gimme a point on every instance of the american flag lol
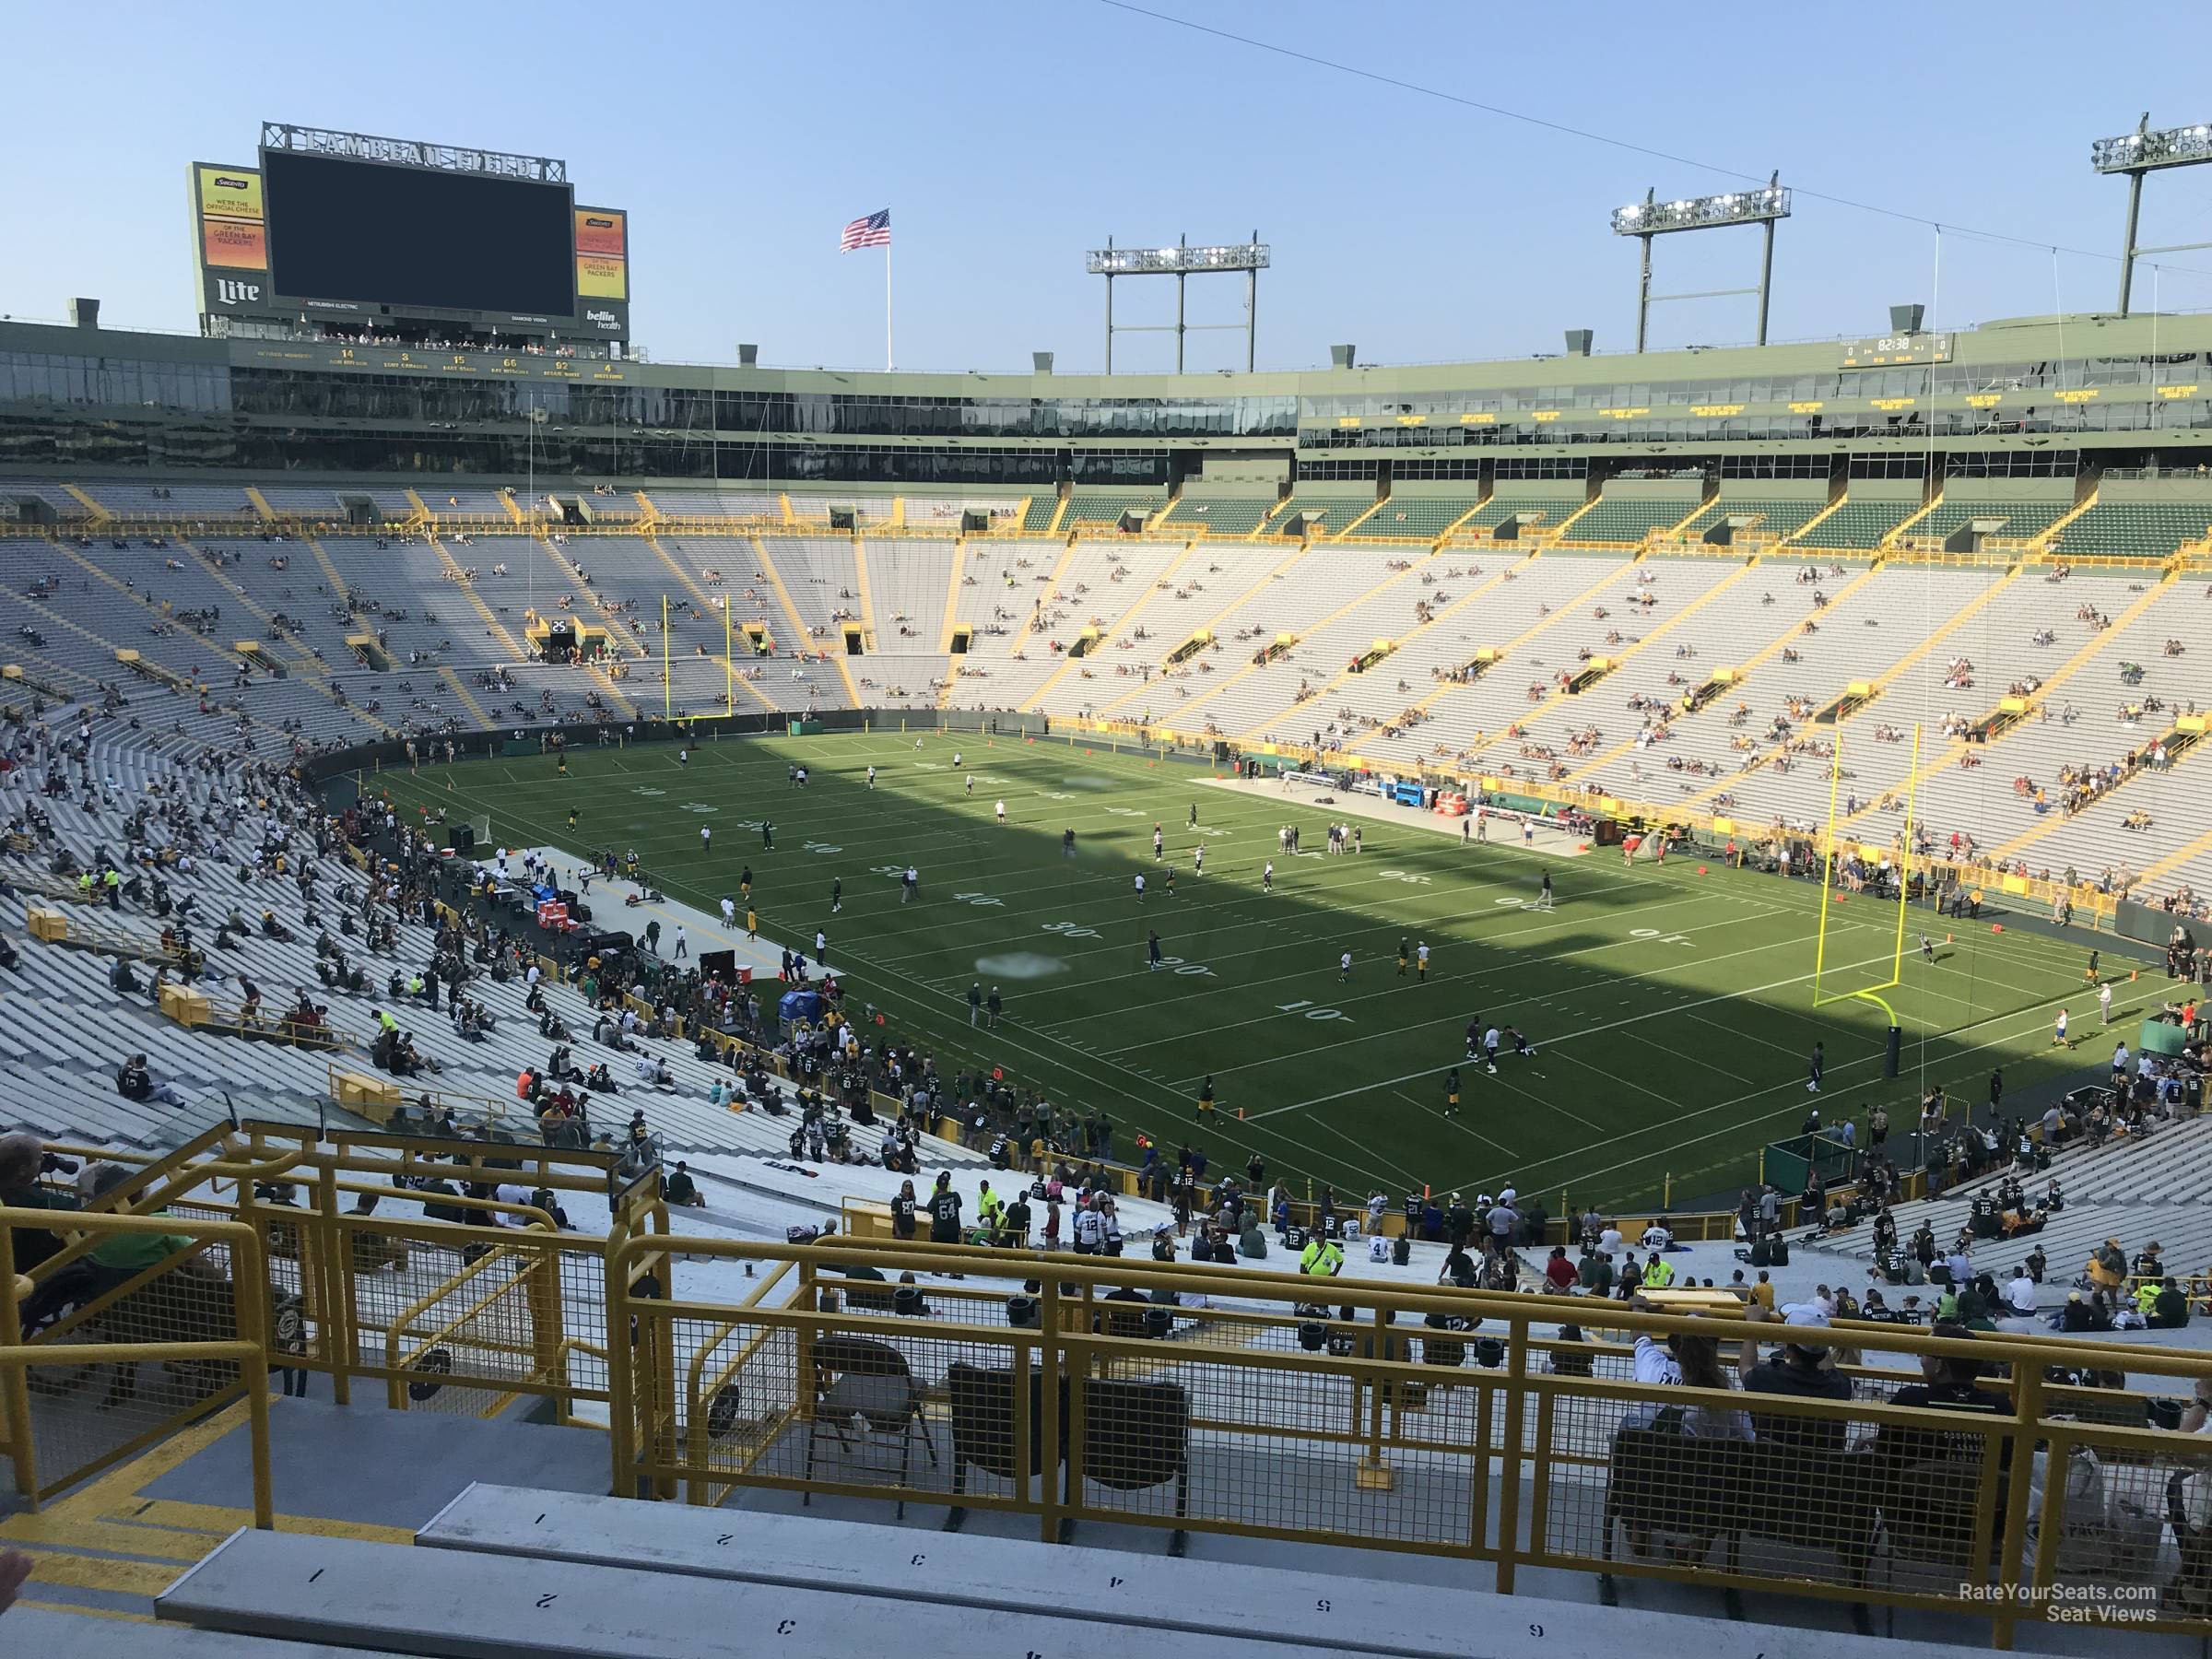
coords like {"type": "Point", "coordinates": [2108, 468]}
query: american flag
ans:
{"type": "Point", "coordinates": [873, 230]}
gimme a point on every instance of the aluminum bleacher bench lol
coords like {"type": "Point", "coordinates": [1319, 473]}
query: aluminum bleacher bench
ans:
{"type": "Point", "coordinates": [1114, 1592]}
{"type": "Point", "coordinates": [443, 1603]}
{"type": "Point", "coordinates": [53, 1635]}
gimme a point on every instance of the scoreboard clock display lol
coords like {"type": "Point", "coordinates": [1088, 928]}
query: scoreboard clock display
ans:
{"type": "Point", "coordinates": [1887, 351]}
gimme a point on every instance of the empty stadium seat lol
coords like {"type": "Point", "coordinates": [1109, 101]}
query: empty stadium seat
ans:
{"type": "Point", "coordinates": [1216, 515]}
{"type": "Point", "coordinates": [1417, 517]}
{"type": "Point", "coordinates": [1629, 519]}
{"type": "Point", "coordinates": [1859, 524]}
{"type": "Point", "coordinates": [2134, 529]}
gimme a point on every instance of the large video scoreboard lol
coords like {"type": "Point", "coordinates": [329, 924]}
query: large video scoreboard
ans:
{"type": "Point", "coordinates": [341, 239]}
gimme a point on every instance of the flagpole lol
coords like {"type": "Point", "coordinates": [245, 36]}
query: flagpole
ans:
{"type": "Point", "coordinates": [887, 362]}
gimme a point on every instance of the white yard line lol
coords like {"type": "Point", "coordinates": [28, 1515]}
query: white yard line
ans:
{"type": "Point", "coordinates": [1513, 968]}
{"type": "Point", "coordinates": [1596, 1030]}
{"type": "Point", "coordinates": [1453, 1124]}
{"type": "Point", "coordinates": [2002, 1040]}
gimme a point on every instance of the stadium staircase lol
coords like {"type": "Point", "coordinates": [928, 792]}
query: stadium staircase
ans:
{"type": "Point", "coordinates": [871, 631]}
{"type": "Point", "coordinates": [330, 571]}
{"type": "Point", "coordinates": [951, 621]}
{"type": "Point", "coordinates": [1333, 514]}
{"type": "Point", "coordinates": [468, 700]}
{"type": "Point", "coordinates": [100, 515]}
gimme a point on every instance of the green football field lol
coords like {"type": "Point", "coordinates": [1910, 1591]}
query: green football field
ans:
{"type": "Point", "coordinates": [1671, 1008]}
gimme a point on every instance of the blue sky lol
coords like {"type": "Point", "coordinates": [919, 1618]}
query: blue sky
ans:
{"type": "Point", "coordinates": [1007, 138]}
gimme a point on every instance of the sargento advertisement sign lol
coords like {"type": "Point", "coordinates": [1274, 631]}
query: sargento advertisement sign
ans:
{"type": "Point", "coordinates": [230, 240]}
{"type": "Point", "coordinates": [602, 253]}
{"type": "Point", "coordinates": [233, 233]}
{"type": "Point", "coordinates": [603, 271]}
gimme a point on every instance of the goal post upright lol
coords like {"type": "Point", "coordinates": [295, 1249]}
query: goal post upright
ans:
{"type": "Point", "coordinates": [1905, 860]}
{"type": "Point", "coordinates": [1871, 994]}
{"type": "Point", "coordinates": [1904, 874]}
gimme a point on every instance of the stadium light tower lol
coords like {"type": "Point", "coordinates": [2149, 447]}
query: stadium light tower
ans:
{"type": "Point", "coordinates": [2135, 154]}
{"type": "Point", "coordinates": [1182, 262]}
{"type": "Point", "coordinates": [1651, 218]}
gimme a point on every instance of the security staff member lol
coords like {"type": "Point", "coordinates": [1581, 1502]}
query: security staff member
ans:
{"type": "Point", "coordinates": [1322, 1258]}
